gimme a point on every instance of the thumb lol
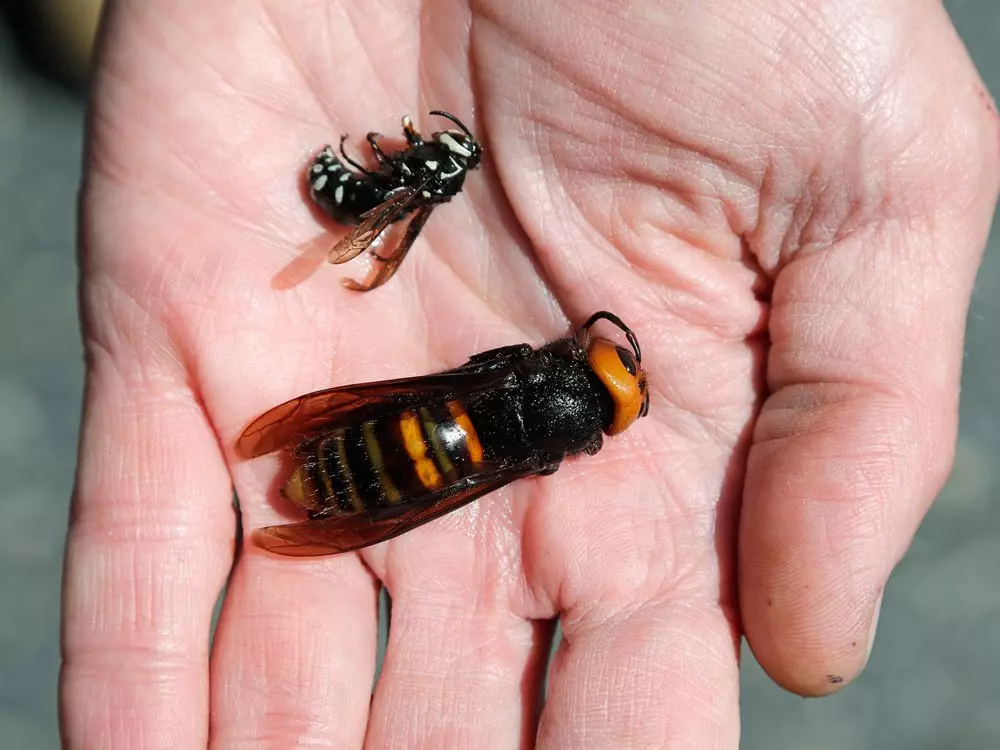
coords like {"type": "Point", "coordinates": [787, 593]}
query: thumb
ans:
{"type": "Point", "coordinates": [858, 434]}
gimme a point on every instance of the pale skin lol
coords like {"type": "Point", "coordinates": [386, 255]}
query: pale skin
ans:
{"type": "Point", "coordinates": [788, 201]}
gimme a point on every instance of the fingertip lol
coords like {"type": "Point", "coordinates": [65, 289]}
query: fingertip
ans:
{"type": "Point", "coordinates": [820, 529]}
{"type": "Point", "coordinates": [807, 655]}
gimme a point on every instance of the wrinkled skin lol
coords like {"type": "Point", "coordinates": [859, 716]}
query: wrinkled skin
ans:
{"type": "Point", "coordinates": [787, 201]}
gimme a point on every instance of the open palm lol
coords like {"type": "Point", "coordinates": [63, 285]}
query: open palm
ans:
{"type": "Point", "coordinates": [785, 204]}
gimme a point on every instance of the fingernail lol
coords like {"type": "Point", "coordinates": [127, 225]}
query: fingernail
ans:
{"type": "Point", "coordinates": [874, 625]}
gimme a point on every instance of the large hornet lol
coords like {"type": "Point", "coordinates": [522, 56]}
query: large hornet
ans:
{"type": "Point", "coordinates": [375, 460]}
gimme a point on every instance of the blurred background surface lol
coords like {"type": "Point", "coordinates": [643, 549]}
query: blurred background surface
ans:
{"type": "Point", "coordinates": [934, 677]}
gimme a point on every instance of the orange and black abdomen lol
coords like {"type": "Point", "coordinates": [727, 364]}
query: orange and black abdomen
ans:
{"type": "Point", "coordinates": [388, 460]}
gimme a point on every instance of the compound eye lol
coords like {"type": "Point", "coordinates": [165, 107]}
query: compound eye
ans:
{"type": "Point", "coordinates": [628, 360]}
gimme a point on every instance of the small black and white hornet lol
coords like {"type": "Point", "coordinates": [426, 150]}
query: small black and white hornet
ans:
{"type": "Point", "coordinates": [410, 182]}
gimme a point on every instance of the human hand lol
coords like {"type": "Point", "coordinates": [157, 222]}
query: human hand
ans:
{"type": "Point", "coordinates": [787, 203]}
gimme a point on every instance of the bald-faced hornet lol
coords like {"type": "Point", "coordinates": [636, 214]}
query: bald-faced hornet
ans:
{"type": "Point", "coordinates": [410, 182]}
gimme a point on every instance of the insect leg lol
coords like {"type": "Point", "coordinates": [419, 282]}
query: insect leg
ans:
{"type": "Point", "coordinates": [380, 156]}
{"type": "Point", "coordinates": [373, 223]}
{"type": "Point", "coordinates": [412, 230]}
{"type": "Point", "coordinates": [412, 136]}
{"type": "Point", "coordinates": [351, 161]}
{"type": "Point", "coordinates": [392, 263]}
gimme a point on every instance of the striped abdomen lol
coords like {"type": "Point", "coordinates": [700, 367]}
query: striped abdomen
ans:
{"type": "Point", "coordinates": [388, 460]}
{"type": "Point", "coordinates": [342, 194]}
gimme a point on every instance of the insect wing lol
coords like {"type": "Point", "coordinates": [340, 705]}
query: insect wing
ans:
{"type": "Point", "coordinates": [337, 534]}
{"type": "Point", "coordinates": [314, 413]}
{"type": "Point", "coordinates": [373, 224]}
{"type": "Point", "coordinates": [392, 263]}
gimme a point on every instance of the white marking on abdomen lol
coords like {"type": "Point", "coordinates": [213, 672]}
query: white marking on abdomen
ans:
{"type": "Point", "coordinates": [320, 182]}
{"type": "Point", "coordinates": [338, 194]}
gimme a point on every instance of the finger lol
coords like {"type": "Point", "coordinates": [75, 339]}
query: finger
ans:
{"type": "Point", "coordinates": [848, 453]}
{"type": "Point", "coordinates": [460, 669]}
{"type": "Point", "coordinates": [858, 436]}
{"type": "Point", "coordinates": [657, 676]}
{"type": "Point", "coordinates": [294, 654]}
{"type": "Point", "coordinates": [150, 542]}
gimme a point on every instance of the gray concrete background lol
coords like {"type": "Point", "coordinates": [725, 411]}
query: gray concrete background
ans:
{"type": "Point", "coordinates": [934, 677]}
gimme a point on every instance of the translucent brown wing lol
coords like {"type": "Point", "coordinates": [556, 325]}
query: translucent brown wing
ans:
{"type": "Point", "coordinates": [346, 533]}
{"type": "Point", "coordinates": [390, 264]}
{"type": "Point", "coordinates": [309, 415]}
{"type": "Point", "coordinates": [373, 223]}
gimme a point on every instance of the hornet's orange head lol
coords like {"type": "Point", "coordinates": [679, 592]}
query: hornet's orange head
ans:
{"type": "Point", "coordinates": [621, 373]}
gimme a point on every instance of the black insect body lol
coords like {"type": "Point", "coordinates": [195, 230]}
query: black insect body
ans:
{"type": "Point", "coordinates": [378, 459]}
{"type": "Point", "coordinates": [411, 182]}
